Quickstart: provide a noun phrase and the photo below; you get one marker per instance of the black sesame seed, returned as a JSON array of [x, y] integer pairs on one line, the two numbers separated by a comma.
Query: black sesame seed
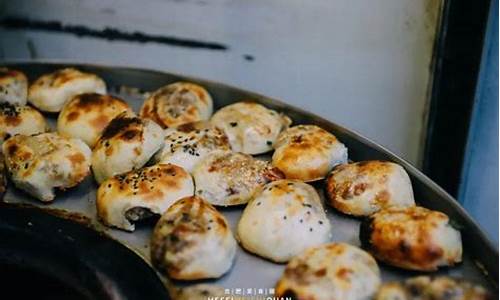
[[310, 229], [269, 143], [284, 217], [233, 124], [301, 221], [320, 222], [258, 203]]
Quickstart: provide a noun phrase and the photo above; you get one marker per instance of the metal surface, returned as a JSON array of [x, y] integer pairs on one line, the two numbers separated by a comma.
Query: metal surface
[[249, 271]]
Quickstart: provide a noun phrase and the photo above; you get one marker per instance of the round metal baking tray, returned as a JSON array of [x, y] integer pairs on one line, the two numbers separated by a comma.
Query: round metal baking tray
[[480, 261]]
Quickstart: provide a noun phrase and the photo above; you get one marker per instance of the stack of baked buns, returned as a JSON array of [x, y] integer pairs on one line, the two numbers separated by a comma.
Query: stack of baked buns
[[178, 160]]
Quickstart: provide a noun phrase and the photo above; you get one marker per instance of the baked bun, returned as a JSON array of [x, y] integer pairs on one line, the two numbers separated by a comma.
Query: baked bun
[[231, 178], [39, 163], [250, 127], [126, 144], [86, 115], [283, 219], [199, 291], [13, 87], [178, 103], [362, 188], [51, 91], [307, 152], [130, 197], [192, 240], [413, 238], [23, 120], [427, 288], [190, 143], [330, 271]]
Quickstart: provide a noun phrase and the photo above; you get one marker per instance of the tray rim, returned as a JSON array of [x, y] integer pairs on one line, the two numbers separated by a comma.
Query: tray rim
[[413, 170]]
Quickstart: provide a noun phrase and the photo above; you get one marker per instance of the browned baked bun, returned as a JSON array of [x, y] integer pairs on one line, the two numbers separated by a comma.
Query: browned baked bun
[[13, 87], [307, 152], [189, 144], [192, 240], [126, 144], [231, 178], [86, 116], [363, 188], [251, 127], [16, 119], [39, 163], [178, 103], [330, 271], [284, 218], [413, 238], [427, 288], [130, 197], [51, 91]]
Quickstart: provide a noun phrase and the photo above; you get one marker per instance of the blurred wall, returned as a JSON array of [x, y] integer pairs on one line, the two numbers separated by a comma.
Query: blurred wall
[[362, 64]]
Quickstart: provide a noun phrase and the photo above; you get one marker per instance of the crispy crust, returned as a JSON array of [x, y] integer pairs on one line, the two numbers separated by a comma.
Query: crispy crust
[[192, 240], [231, 178], [86, 116], [51, 91], [13, 87], [307, 152], [41, 162], [153, 188], [190, 143], [23, 120], [250, 127], [177, 104], [412, 238], [363, 188], [427, 288], [126, 144], [330, 271]]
